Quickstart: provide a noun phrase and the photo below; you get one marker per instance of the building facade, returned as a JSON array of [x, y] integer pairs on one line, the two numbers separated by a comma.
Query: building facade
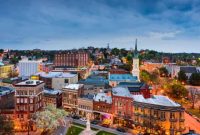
[[57, 80], [73, 59], [158, 115], [5, 70], [71, 93], [28, 67], [122, 106], [52, 97], [28, 100]]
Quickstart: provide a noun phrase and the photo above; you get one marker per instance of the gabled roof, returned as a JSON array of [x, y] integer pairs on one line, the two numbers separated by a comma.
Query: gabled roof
[[188, 69]]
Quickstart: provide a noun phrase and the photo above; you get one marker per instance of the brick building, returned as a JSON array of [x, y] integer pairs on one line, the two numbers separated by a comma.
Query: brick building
[[28, 100], [52, 97], [71, 93], [122, 106], [72, 59], [102, 107]]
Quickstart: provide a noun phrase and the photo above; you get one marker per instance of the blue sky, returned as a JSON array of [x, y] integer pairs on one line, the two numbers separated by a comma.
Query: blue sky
[[163, 25]]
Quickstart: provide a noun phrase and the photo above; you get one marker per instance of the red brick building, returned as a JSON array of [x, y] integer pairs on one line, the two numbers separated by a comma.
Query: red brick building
[[122, 106], [102, 107], [28, 100], [72, 59]]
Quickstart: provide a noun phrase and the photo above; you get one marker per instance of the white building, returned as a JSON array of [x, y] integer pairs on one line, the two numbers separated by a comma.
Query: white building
[[28, 67], [136, 70]]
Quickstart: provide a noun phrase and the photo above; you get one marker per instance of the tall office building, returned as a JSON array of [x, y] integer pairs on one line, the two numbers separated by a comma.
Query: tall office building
[[28, 67], [72, 59]]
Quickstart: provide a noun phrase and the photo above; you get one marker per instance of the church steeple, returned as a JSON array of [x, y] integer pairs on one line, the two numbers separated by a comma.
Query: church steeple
[[135, 54]]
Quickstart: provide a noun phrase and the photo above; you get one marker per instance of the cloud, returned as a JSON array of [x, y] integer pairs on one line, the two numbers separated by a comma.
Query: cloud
[[164, 35]]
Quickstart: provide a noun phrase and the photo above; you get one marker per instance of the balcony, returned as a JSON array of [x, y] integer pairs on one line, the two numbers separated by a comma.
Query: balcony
[[173, 120], [181, 120], [163, 119]]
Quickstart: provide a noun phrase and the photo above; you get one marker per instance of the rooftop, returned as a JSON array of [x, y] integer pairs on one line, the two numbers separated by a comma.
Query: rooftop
[[156, 100], [29, 83], [121, 91], [103, 97], [56, 75], [52, 91], [73, 86], [122, 77], [188, 69], [5, 90], [95, 80]]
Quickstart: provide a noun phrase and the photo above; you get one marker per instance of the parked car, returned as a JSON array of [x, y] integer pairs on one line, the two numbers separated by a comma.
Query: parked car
[[120, 129], [75, 117], [83, 119], [105, 125], [95, 122]]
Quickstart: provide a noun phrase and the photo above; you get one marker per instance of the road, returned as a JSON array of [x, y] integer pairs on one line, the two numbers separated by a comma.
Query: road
[[191, 123], [102, 128]]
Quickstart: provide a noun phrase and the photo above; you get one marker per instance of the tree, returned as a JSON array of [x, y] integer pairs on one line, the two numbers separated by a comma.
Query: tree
[[49, 119], [195, 79], [115, 51], [177, 91], [163, 72], [6, 125], [194, 95], [182, 76], [145, 76]]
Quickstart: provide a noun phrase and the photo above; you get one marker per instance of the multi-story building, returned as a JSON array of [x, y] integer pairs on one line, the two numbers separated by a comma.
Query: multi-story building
[[72, 59], [57, 80], [5, 70], [102, 107], [85, 105], [158, 115], [28, 67], [122, 106], [28, 100], [7, 100], [71, 93], [94, 84], [52, 97]]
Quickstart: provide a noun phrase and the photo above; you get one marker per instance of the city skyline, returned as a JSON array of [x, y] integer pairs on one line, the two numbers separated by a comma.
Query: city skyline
[[168, 26]]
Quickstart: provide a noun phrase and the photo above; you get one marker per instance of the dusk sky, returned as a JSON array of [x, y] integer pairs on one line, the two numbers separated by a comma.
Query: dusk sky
[[163, 25]]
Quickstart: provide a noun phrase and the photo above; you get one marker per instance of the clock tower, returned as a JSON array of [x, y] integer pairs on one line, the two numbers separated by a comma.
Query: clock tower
[[136, 70]]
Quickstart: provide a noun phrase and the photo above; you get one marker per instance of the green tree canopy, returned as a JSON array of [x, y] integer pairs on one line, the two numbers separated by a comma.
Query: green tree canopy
[[195, 79], [182, 76], [6, 125], [163, 72], [177, 91]]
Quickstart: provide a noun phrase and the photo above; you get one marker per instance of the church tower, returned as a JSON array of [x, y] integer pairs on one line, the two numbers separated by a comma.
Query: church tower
[[136, 70]]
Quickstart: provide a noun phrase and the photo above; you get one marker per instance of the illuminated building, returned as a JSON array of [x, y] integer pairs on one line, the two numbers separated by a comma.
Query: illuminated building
[[102, 107], [85, 105], [28, 100], [71, 93], [52, 97], [158, 115], [122, 104], [5, 70]]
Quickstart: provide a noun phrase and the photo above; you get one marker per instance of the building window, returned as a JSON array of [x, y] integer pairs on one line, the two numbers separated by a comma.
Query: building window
[[18, 100], [21, 100], [172, 115], [31, 100], [163, 115], [25, 100]]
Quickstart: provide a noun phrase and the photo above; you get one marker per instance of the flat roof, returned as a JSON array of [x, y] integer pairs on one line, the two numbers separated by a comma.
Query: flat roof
[[73, 86], [29, 83], [156, 100], [5, 90], [52, 91], [56, 75]]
